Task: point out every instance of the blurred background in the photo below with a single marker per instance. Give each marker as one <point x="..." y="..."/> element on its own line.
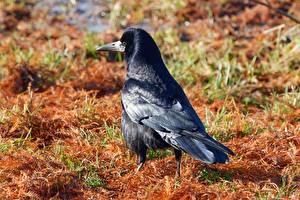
<point x="60" y="138"/>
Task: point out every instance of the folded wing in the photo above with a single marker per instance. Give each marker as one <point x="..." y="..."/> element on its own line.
<point x="175" y="121"/>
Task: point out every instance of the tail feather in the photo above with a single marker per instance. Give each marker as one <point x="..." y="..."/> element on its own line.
<point x="209" y="141"/>
<point x="201" y="151"/>
<point x="217" y="145"/>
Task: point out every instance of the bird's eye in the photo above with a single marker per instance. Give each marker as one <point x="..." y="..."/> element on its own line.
<point x="124" y="44"/>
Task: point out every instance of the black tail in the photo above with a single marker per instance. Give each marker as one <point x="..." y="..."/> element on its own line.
<point x="201" y="151"/>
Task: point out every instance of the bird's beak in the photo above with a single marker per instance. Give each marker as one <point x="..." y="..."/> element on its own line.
<point x="115" y="46"/>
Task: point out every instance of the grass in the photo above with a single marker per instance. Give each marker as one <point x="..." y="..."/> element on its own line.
<point x="182" y="60"/>
<point x="88" y="135"/>
<point x="23" y="56"/>
<point x="52" y="59"/>
<point x="118" y="16"/>
<point x="14" y="2"/>
<point x="20" y="142"/>
<point x="71" y="163"/>
<point x="158" y="154"/>
<point x="87" y="172"/>
<point x="3" y="116"/>
<point x="189" y="61"/>
<point x="90" y="43"/>
<point x="113" y="132"/>
<point x="60" y="134"/>
<point x="211" y="176"/>
<point x="93" y="180"/>
<point x="3" y="70"/>
<point x="88" y="112"/>
<point x="4" y="147"/>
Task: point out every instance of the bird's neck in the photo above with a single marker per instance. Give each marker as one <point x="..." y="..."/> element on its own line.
<point x="149" y="74"/>
<point x="142" y="71"/>
<point x="146" y="64"/>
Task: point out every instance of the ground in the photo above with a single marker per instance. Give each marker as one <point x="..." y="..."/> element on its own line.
<point x="60" y="137"/>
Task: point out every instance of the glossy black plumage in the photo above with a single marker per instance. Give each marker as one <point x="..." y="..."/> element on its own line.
<point x="156" y="111"/>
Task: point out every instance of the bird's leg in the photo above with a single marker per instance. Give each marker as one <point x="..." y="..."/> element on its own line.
<point x="141" y="159"/>
<point x="178" y="155"/>
<point x="140" y="166"/>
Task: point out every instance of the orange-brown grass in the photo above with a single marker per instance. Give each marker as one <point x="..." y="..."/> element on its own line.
<point x="60" y="132"/>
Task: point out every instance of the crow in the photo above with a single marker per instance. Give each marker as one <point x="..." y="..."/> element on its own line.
<point x="156" y="113"/>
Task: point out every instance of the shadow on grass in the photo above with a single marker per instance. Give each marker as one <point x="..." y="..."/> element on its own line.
<point x="26" y="77"/>
<point x="102" y="89"/>
<point x="245" y="173"/>
<point x="63" y="186"/>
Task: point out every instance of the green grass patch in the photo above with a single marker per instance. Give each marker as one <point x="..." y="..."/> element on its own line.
<point x="90" y="43"/>
<point x="4" y="147"/>
<point x="72" y="163"/>
<point x="92" y="178"/>
<point x="87" y="111"/>
<point x="158" y="154"/>
<point x="20" y="142"/>
<point x="113" y="132"/>
<point x="211" y="176"/>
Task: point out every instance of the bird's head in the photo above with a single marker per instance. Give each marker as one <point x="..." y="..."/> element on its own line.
<point x="135" y="43"/>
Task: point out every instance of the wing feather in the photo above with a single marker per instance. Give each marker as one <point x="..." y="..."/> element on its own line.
<point x="169" y="116"/>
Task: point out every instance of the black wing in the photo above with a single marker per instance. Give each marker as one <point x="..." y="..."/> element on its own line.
<point x="173" y="118"/>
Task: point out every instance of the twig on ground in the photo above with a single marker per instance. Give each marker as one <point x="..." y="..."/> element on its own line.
<point x="279" y="11"/>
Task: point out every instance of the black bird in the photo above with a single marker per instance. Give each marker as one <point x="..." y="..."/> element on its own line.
<point x="155" y="110"/>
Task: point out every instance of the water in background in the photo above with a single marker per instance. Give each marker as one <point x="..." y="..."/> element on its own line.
<point x="87" y="14"/>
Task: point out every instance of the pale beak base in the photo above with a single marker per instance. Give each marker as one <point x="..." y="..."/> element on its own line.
<point x="115" y="46"/>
